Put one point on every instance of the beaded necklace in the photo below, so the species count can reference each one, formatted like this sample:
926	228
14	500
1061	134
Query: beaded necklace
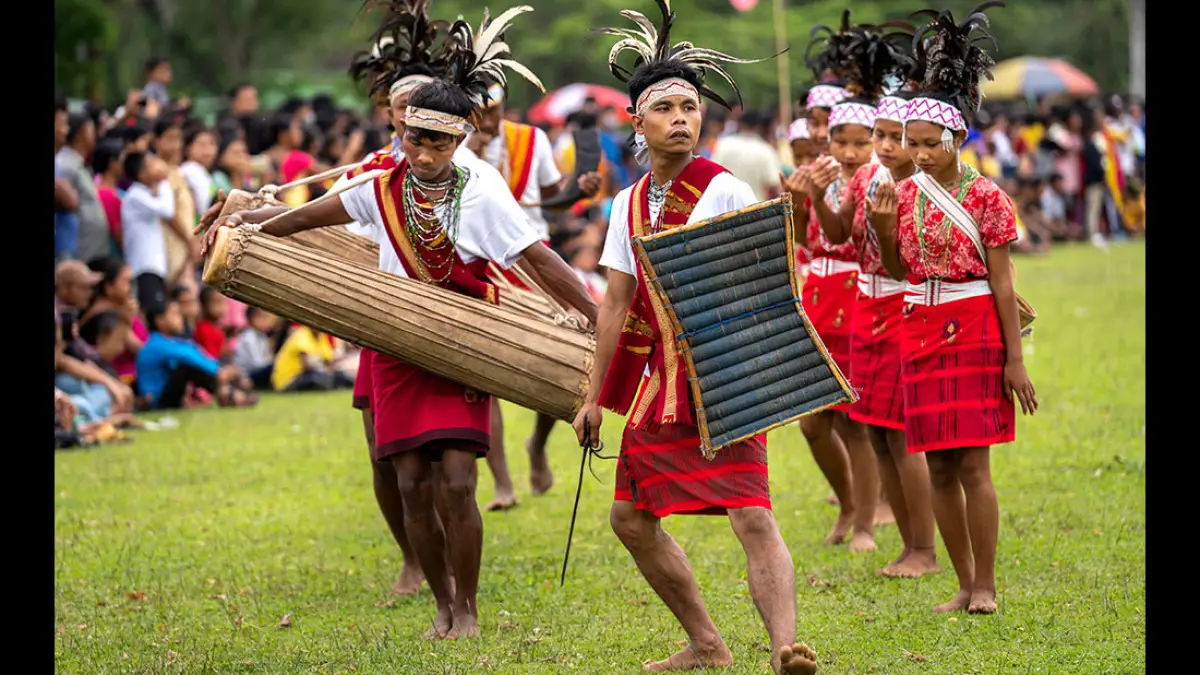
943	228
656	195
434	235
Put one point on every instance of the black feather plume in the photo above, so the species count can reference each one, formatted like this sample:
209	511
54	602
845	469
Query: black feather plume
407	42
951	62
479	59
871	58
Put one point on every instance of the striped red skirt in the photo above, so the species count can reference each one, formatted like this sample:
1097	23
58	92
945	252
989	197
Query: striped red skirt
362	381
829	302
952	359
417	411
875	336
661	470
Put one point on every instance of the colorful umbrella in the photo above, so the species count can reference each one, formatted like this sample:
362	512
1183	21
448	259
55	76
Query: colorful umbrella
1034	76
555	106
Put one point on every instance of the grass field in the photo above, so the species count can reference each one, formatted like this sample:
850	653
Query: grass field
183	551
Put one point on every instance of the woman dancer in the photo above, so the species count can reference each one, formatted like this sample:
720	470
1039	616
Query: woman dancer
947	230
875	327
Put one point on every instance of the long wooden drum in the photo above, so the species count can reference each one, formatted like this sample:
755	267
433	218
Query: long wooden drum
535	364
342	243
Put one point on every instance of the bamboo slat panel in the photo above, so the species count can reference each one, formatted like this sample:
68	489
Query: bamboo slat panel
535	364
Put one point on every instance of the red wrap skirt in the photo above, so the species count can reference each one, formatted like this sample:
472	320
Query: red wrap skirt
417	411
875	337
952	360
661	470
362	381
829	302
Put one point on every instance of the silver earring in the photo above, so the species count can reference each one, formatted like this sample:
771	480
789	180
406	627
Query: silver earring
947	139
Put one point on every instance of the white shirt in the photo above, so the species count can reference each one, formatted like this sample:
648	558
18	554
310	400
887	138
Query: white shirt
543	173
724	194
142	213
751	159
200	182
491	226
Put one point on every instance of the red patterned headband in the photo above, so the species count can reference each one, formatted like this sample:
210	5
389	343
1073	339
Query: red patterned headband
656	92
852	113
934	111
433	120
892	109
825	96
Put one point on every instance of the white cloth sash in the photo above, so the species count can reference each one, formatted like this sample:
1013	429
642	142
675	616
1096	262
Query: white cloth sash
827	267
933	293
879	285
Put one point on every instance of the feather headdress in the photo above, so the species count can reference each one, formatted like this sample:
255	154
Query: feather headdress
652	45
407	43
830	56
871	57
953	63
479	59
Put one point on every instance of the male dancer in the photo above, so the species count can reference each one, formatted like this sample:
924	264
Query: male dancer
522	154
661	470
443	224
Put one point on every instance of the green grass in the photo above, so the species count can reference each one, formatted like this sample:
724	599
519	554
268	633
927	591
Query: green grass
238	518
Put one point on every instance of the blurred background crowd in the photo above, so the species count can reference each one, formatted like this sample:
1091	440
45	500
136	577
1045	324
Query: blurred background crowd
136	330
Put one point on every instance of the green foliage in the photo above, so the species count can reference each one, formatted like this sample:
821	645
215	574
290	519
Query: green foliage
182	552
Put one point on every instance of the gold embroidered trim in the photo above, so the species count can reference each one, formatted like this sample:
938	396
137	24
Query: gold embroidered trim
649	392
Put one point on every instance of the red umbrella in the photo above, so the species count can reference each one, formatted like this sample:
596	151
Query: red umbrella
555	106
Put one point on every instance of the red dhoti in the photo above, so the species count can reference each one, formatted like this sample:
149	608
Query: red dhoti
418	411
830	293
362	381
953	356
875	336
661	470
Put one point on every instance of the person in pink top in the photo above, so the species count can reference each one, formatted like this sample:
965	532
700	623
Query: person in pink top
107	167
114	294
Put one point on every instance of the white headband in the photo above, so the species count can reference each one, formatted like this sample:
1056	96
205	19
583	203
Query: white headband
672	86
407	84
825	96
934	111
798	130
892	109
432	120
852	113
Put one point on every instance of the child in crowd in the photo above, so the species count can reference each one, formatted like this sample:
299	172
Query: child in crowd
147	202
168	364
107	331
254	353
189	308
306	363
209	334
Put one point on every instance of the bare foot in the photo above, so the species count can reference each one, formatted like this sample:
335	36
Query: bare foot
410	580
982	602
541	479
958	604
690	658
795	660
503	501
912	565
841	527
884	515
443	622
862	542
465	626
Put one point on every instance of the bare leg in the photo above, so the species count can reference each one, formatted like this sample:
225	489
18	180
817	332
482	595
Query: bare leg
772	580
883	509
540	476
424	529
864	474
443	511
666	568
498	464
889	479
465	528
912	476
387	495
951	514
983	521
834	462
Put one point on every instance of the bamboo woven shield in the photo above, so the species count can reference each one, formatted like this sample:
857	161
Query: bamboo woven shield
729	286
495	349
342	243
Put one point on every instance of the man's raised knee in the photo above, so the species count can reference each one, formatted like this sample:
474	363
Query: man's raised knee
815	426
630	526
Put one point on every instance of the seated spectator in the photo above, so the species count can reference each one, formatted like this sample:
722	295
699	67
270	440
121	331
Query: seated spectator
254	353
1028	205
169	364
189	307
107	332
1054	209
97	395
114	293
209	334
305	363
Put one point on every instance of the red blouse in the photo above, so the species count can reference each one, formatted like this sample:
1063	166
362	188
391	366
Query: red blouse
819	245
210	338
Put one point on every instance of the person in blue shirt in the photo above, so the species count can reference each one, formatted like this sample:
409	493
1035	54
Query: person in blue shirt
168	363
